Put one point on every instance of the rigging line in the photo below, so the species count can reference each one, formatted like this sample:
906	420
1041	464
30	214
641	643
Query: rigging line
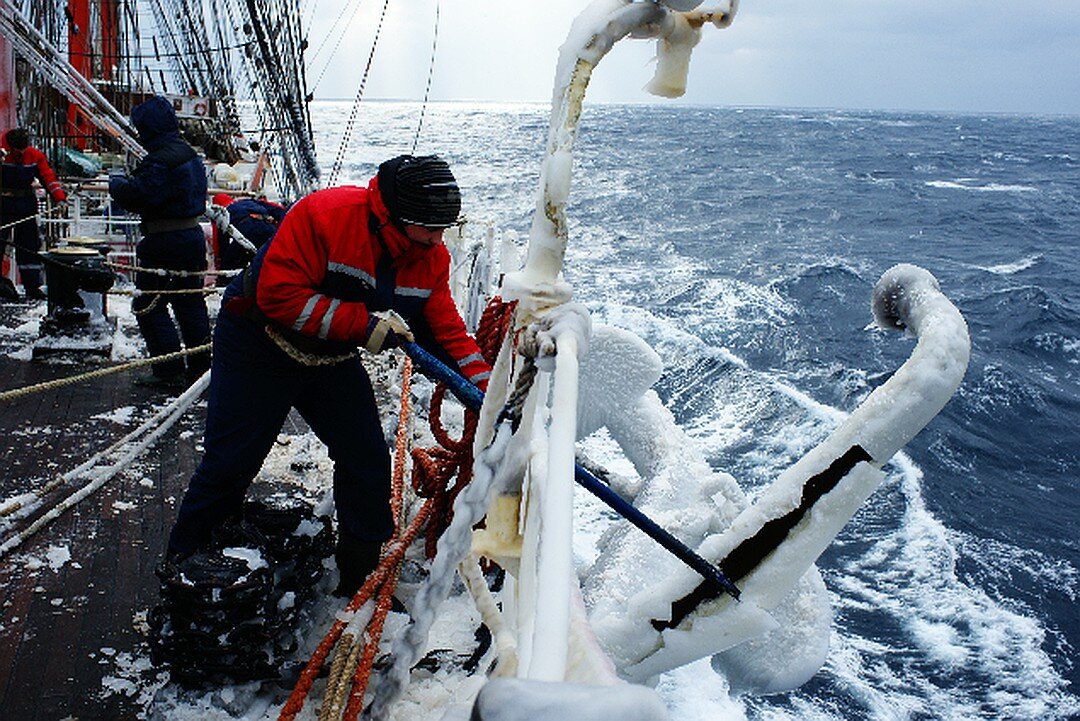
431	73
359	96
333	53
347	8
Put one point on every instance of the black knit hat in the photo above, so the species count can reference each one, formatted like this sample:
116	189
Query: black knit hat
420	190
18	138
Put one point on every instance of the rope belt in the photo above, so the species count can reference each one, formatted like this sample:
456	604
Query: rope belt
308	359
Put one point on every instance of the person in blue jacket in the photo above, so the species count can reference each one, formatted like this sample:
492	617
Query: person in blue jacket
168	191
256	219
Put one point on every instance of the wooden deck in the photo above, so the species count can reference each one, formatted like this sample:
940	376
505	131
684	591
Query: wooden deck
70	629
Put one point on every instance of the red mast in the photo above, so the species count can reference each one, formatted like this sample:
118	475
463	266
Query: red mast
93	50
80	55
7	86
110	40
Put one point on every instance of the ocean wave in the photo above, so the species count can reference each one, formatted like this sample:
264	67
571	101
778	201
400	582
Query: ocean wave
967	184
1055	343
962	652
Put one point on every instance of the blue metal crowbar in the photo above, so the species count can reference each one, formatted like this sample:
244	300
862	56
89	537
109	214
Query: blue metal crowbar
473	398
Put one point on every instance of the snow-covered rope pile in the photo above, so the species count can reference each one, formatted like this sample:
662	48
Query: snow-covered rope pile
72	380
156	425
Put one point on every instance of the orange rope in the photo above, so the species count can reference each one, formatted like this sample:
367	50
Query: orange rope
383	578
375	629
435	467
432	470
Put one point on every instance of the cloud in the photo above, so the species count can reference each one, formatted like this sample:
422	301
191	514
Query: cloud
921	55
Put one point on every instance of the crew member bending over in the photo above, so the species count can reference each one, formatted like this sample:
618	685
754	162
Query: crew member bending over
342	259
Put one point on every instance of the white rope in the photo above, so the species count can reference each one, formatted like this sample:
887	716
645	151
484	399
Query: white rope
167	416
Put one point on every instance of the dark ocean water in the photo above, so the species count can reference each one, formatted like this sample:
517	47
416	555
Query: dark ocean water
743	244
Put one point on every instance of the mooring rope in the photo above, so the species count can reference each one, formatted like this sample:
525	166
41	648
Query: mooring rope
71	380
136	292
166	272
349	671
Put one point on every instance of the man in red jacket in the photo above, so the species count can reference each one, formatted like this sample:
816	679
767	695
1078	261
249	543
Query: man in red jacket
22	163
348	267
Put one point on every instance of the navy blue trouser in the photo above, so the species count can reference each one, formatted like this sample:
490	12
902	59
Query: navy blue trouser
253	384
25	237
176	250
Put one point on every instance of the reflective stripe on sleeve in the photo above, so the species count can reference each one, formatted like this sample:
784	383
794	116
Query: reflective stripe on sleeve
305	315
474	358
351	271
328	318
413	292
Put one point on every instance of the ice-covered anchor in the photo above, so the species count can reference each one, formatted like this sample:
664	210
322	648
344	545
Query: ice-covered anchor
770	547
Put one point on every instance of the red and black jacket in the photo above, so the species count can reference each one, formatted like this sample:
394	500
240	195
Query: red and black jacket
19	168
336	257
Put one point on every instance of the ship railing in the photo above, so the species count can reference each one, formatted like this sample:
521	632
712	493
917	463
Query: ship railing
92	217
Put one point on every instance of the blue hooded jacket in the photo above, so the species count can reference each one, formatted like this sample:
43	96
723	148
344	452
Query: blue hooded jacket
170	182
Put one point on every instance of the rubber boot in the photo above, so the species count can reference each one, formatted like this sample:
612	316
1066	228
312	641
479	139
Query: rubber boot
356	559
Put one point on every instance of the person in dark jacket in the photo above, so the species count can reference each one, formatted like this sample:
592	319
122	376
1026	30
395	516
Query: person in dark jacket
168	191
348	267
255	219
22	164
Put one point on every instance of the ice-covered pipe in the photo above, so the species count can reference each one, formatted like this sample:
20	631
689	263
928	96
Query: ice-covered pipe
771	544
554	573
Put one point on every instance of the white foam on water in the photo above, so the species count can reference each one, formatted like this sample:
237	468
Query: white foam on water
991	647
1015	266
970	184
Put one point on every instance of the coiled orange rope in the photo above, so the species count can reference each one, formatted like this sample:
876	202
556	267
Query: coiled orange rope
433	468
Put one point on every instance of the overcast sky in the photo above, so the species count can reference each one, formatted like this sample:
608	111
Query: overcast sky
960	55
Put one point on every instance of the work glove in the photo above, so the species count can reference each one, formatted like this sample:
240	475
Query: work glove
386	329
219	217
